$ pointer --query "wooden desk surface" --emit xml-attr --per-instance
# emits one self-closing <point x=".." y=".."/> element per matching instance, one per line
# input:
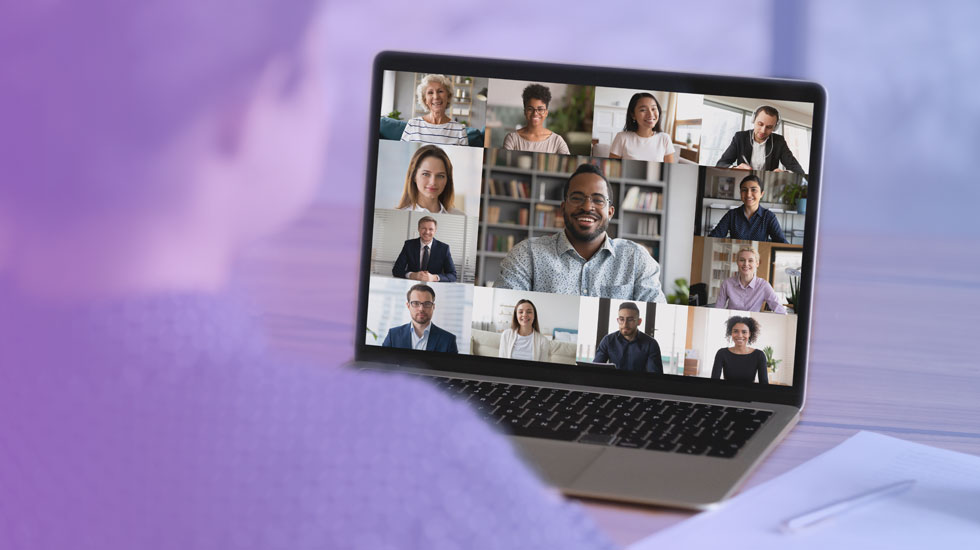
<point x="894" y="328"/>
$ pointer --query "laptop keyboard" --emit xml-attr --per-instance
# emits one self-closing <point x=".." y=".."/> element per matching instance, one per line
<point x="615" y="420"/>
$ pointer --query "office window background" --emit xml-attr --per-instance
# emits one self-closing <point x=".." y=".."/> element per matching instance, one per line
<point x="733" y="119"/>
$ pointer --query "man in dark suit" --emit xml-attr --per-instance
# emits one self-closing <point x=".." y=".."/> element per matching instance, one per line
<point x="759" y="149"/>
<point x="425" y="259"/>
<point x="421" y="333"/>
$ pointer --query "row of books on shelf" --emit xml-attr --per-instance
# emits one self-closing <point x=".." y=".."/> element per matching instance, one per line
<point x="643" y="200"/>
<point x="545" y="162"/>
<point x="546" y="215"/>
<point x="500" y="243"/>
<point x="493" y="216"/>
<point x="612" y="168"/>
<point x="514" y="188"/>
<point x="648" y="226"/>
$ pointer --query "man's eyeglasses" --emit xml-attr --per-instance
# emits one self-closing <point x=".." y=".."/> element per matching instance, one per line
<point x="426" y="305"/>
<point x="539" y="110"/>
<point x="627" y="319"/>
<point x="578" y="199"/>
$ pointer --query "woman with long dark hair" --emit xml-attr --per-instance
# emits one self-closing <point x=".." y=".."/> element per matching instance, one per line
<point x="642" y="138"/>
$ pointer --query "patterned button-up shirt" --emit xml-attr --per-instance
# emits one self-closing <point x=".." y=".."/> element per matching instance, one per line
<point x="621" y="269"/>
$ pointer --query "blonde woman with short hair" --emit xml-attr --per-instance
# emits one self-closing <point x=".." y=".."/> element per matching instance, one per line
<point x="435" y="94"/>
<point x="745" y="291"/>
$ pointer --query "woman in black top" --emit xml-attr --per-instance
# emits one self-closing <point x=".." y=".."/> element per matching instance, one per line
<point x="741" y="363"/>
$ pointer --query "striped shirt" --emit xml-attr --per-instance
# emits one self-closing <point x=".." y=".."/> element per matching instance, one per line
<point x="450" y="133"/>
<point x="762" y="227"/>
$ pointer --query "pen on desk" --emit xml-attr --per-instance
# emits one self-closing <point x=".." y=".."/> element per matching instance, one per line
<point x="836" y="508"/>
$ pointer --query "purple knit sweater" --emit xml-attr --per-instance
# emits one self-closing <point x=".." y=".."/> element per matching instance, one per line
<point x="165" y="423"/>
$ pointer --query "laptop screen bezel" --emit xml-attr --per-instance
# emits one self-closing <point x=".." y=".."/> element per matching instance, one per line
<point x="768" y="88"/>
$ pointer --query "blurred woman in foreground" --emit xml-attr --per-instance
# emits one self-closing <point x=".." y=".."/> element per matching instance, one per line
<point x="147" y="143"/>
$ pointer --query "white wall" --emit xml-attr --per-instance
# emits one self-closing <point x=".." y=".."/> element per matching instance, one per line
<point x="682" y="191"/>
<point x="588" y="312"/>
<point x="793" y="111"/>
<point x="671" y="334"/>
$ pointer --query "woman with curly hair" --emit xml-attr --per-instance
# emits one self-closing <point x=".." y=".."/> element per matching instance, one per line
<point x="534" y="136"/>
<point x="741" y="363"/>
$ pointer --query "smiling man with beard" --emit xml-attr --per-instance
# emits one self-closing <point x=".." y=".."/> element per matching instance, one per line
<point x="583" y="259"/>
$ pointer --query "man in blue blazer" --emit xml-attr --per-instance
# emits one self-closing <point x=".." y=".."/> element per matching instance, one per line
<point x="421" y="333"/>
<point x="425" y="259"/>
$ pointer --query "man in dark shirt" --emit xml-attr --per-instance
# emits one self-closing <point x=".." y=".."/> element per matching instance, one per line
<point x="751" y="221"/>
<point x="759" y="148"/>
<point x="629" y="348"/>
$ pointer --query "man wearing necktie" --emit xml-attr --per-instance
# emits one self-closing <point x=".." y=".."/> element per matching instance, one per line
<point x="425" y="259"/>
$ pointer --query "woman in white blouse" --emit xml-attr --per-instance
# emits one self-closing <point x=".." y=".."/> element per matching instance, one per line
<point x="523" y="340"/>
<point x="642" y="138"/>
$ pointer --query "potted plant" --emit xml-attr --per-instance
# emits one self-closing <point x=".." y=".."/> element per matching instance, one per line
<point x="794" y="286"/>
<point x="570" y="120"/>
<point x="771" y="363"/>
<point x="794" y="194"/>
<point x="682" y="294"/>
<point x="396" y="115"/>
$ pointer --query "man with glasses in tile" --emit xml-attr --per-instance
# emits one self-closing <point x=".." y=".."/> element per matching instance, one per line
<point x="583" y="259"/>
<point x="630" y="348"/>
<point x="421" y="333"/>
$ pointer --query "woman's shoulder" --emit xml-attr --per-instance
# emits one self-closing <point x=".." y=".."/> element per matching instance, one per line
<point x="761" y="281"/>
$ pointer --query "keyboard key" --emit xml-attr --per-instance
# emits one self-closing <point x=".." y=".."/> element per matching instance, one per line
<point x="606" y="419"/>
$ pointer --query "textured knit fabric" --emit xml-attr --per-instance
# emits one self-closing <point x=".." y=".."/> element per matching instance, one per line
<point x="740" y="368"/>
<point x="552" y="144"/>
<point x="620" y="269"/>
<point x="165" y="423"/>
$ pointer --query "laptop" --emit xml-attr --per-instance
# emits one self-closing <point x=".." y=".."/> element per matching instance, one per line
<point x="614" y="267"/>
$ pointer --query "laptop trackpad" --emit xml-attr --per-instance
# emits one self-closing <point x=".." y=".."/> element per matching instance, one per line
<point x="559" y="463"/>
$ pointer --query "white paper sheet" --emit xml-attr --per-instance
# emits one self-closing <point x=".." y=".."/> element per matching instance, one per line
<point x="941" y="511"/>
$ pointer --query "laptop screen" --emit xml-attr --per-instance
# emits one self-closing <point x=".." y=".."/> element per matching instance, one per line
<point x="650" y="232"/>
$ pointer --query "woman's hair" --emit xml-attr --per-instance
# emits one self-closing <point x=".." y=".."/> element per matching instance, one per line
<point x="91" y="91"/>
<point x="747" y="321"/>
<point x="429" y="79"/>
<point x="534" y="324"/>
<point x="748" y="249"/>
<point x="410" y="195"/>
<point x="536" y="91"/>
<point x="631" y="124"/>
